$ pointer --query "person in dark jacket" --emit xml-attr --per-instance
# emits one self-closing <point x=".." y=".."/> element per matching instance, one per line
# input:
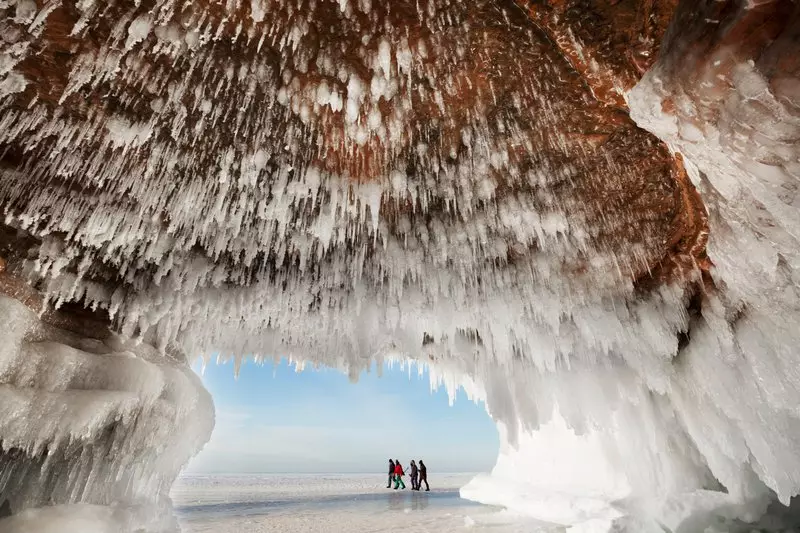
<point x="391" y="474"/>
<point x="423" y="476"/>
<point x="414" y="474"/>
<point x="398" y="475"/>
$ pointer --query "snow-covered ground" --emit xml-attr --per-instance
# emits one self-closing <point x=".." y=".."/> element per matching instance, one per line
<point x="339" y="502"/>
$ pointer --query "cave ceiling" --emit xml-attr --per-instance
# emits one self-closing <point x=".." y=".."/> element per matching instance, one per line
<point x="248" y="135"/>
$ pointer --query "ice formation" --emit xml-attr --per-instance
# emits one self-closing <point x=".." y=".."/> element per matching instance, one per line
<point x="457" y="183"/>
<point x="92" y="420"/>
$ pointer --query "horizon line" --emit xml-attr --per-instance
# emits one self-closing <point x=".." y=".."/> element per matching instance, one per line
<point x="319" y="473"/>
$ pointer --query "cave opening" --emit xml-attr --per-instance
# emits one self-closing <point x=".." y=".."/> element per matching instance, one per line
<point x="300" y="442"/>
<point x="300" y="418"/>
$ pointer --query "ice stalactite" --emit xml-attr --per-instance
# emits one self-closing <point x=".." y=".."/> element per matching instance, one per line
<point x="378" y="171"/>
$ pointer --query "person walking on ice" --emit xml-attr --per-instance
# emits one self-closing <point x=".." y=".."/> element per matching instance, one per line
<point x="414" y="474"/>
<point x="391" y="474"/>
<point x="423" y="476"/>
<point x="398" y="475"/>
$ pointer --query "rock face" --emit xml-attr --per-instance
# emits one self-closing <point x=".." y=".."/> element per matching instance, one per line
<point x="609" y="43"/>
<point x="455" y="182"/>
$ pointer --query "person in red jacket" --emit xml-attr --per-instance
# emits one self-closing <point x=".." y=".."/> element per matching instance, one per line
<point x="398" y="475"/>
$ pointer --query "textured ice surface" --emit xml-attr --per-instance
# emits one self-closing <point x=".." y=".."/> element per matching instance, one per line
<point x="308" y="503"/>
<point x="88" y="518"/>
<point x="193" y="491"/>
<point x="92" y="421"/>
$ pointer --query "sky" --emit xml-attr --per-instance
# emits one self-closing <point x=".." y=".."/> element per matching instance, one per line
<point x="272" y="419"/>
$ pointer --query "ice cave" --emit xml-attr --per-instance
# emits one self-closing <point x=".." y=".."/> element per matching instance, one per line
<point x="585" y="212"/>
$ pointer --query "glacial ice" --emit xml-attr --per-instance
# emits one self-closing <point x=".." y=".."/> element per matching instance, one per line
<point x="291" y="204"/>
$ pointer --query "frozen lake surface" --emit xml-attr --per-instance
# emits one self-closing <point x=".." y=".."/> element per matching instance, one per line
<point x="352" y="502"/>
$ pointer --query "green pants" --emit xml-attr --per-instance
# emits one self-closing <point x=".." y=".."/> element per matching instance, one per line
<point x="398" y="481"/>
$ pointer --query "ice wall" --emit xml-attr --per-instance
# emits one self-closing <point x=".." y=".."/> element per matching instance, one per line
<point x="554" y="475"/>
<point x="91" y="422"/>
<point x="729" y="106"/>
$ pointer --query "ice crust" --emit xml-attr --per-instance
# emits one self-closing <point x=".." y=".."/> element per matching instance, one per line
<point x="307" y="264"/>
<point x="91" y="422"/>
<point x="319" y="503"/>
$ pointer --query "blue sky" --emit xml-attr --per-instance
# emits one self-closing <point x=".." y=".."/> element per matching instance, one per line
<point x="273" y="419"/>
